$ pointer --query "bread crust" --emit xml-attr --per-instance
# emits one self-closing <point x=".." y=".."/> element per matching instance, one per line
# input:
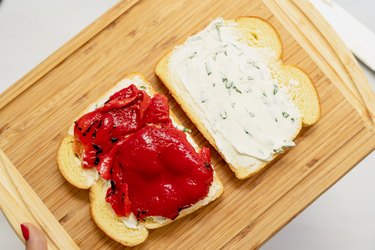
<point x="243" y="172"/>
<point x="69" y="163"/>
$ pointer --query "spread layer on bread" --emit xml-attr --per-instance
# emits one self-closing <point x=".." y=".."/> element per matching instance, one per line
<point x="229" y="87"/>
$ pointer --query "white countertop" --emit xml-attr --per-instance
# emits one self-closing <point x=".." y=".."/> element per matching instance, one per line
<point x="342" y="218"/>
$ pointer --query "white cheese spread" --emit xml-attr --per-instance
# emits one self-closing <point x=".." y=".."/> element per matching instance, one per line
<point x="229" y="86"/>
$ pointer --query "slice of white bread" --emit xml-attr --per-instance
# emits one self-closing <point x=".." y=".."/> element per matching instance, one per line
<point x="127" y="231"/>
<point x="257" y="33"/>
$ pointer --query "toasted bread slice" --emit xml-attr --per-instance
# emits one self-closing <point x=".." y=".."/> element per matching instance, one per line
<point x="125" y="230"/>
<point x="257" y="33"/>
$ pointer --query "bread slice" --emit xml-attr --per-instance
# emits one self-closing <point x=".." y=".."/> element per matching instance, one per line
<point x="125" y="230"/>
<point x="256" y="33"/>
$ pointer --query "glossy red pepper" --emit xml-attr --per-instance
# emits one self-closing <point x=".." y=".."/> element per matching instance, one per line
<point x="152" y="168"/>
<point x="121" y="115"/>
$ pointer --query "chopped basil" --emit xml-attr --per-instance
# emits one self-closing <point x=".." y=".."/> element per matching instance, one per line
<point x="187" y="130"/>
<point x="292" y="119"/>
<point x="225" y="53"/>
<point x="228" y="85"/>
<point x="192" y="56"/>
<point x="208" y="69"/>
<point x="276" y="120"/>
<point x="264" y="94"/>
<point x="247" y="132"/>
<point x="254" y="65"/>
<point x="276" y="88"/>
<point x="285" y="114"/>
<point x="214" y="57"/>
<point x="237" y="90"/>
<point x="143" y="87"/>
<point x="224" y="115"/>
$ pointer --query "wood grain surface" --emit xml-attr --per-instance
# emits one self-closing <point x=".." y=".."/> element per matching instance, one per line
<point x="132" y="37"/>
<point x="21" y="204"/>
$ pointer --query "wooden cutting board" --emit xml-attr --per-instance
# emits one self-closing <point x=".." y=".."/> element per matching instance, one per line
<point x="36" y="112"/>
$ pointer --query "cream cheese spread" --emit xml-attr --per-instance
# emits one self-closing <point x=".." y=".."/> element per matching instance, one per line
<point x="229" y="86"/>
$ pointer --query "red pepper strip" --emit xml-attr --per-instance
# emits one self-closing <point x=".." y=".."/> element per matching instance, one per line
<point x="118" y="103"/>
<point x="118" y="196"/>
<point x="206" y="155"/>
<point x="104" y="167"/>
<point x="87" y="120"/>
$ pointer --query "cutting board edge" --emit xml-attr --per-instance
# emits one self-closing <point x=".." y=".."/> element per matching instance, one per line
<point x="65" y="51"/>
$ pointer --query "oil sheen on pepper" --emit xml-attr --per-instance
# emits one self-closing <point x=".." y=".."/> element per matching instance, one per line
<point x="152" y="168"/>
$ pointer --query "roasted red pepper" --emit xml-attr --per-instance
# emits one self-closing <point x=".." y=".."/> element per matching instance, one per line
<point x="152" y="168"/>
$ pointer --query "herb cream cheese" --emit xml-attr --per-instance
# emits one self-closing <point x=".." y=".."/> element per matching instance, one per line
<point x="229" y="87"/>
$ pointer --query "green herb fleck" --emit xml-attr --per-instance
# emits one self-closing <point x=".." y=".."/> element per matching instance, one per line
<point x="276" y="120"/>
<point x="192" y="56"/>
<point x="276" y="88"/>
<point x="254" y="65"/>
<point x="292" y="119"/>
<point x="237" y="90"/>
<point x="224" y="115"/>
<point x="250" y="78"/>
<point x="187" y="130"/>
<point x="208" y="70"/>
<point x="225" y="53"/>
<point x="247" y="132"/>
<point x="214" y="57"/>
<point x="228" y="85"/>
<point x="143" y="87"/>
<point x="285" y="114"/>
<point x="251" y="114"/>
<point x="264" y="94"/>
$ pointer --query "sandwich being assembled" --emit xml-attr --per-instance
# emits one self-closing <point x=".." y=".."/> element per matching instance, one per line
<point x="143" y="170"/>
